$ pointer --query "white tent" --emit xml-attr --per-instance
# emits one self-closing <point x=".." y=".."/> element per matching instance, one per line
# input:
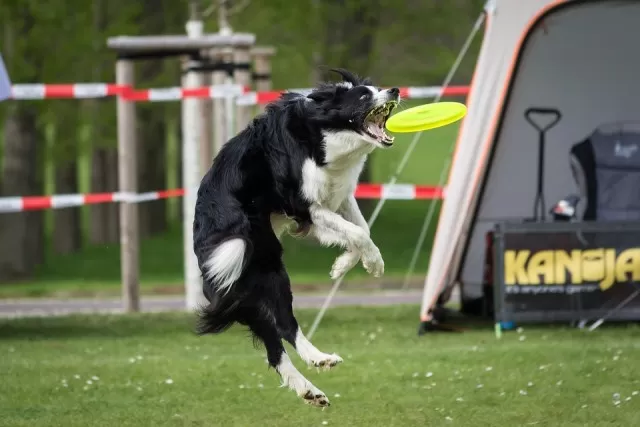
<point x="579" y="57"/>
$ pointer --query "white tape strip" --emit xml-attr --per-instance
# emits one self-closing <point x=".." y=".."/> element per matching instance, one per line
<point x="28" y="91"/>
<point x="399" y="191"/>
<point x="145" y="197"/>
<point x="66" y="200"/>
<point x="225" y="90"/>
<point x="89" y="90"/>
<point x="124" y="197"/>
<point x="165" y="94"/>
<point x="10" y="204"/>
<point x="250" y="98"/>
<point x="424" y="92"/>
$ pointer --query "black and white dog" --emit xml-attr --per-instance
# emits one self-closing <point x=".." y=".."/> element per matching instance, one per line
<point x="293" y="169"/>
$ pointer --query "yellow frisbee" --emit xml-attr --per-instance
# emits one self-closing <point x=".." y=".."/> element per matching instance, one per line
<point x="427" y="116"/>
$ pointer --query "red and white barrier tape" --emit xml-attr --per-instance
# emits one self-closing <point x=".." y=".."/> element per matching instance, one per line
<point x="242" y="94"/>
<point x="363" y="191"/>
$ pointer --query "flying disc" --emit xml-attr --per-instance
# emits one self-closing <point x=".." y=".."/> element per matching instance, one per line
<point x="427" y="116"/>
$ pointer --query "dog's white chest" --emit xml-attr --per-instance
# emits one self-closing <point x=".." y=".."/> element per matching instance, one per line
<point x="330" y="185"/>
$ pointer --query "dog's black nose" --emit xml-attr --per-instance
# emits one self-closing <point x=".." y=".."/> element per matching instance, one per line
<point x="394" y="91"/>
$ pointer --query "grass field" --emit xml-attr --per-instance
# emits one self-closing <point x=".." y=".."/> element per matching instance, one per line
<point x="150" y="370"/>
<point x="96" y="270"/>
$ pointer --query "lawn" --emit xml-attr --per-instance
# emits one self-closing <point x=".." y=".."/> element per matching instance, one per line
<point x="96" y="270"/>
<point x="150" y="370"/>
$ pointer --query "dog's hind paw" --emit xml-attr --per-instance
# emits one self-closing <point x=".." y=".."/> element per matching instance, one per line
<point x="326" y="361"/>
<point x="343" y="264"/>
<point x="315" y="397"/>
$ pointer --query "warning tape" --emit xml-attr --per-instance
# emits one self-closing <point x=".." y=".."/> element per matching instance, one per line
<point x="242" y="94"/>
<point x="58" y="201"/>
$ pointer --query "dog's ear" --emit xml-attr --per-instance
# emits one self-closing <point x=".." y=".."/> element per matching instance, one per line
<point x="347" y="76"/>
<point x="320" y="95"/>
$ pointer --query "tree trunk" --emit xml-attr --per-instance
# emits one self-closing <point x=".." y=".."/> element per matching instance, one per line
<point x="103" y="221"/>
<point x="98" y="213"/>
<point x="152" y="131"/>
<point x="66" y="228"/>
<point x="178" y="160"/>
<point x="350" y="34"/>
<point x="152" y="168"/>
<point x="21" y="233"/>
<point x="113" y="209"/>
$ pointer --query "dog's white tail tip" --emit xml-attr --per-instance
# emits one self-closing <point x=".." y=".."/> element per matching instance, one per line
<point x="225" y="263"/>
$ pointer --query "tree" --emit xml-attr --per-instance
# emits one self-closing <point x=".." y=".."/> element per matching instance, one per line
<point x="349" y="34"/>
<point x="21" y="233"/>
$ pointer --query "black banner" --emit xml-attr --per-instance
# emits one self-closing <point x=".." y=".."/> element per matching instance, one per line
<point x="570" y="271"/>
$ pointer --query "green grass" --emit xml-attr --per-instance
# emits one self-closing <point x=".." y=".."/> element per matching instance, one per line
<point x="96" y="270"/>
<point x="569" y="376"/>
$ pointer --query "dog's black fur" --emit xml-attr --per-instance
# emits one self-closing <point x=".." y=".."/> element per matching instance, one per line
<point x="256" y="174"/>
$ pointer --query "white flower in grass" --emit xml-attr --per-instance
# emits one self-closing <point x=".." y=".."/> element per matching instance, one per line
<point x="168" y="381"/>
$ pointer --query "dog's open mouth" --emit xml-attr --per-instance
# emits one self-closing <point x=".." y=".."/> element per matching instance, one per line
<point x="376" y="120"/>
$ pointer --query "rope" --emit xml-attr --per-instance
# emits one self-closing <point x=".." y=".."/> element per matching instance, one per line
<point x="443" y="173"/>
<point x="398" y="171"/>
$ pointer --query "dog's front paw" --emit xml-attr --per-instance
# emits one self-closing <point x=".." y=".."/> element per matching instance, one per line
<point x="315" y="397"/>
<point x="372" y="261"/>
<point x="344" y="263"/>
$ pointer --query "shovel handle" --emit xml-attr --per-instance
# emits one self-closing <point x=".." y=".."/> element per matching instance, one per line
<point x="543" y="111"/>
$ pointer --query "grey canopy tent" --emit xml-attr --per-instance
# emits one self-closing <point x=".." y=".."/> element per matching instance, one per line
<point x="577" y="57"/>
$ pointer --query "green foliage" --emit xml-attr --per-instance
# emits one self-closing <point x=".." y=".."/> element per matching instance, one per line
<point x="399" y="42"/>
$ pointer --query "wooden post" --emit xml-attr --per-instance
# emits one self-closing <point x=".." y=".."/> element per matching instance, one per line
<point x="163" y="46"/>
<point x="206" y="136"/>
<point x="242" y="76"/>
<point x="128" y="184"/>
<point x="222" y="130"/>
<point x="262" y="69"/>
<point x="192" y="142"/>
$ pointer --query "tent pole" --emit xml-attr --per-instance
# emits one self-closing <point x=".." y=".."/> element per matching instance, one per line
<point x="443" y="173"/>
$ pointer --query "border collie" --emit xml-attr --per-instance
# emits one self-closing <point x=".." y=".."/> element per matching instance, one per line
<point x="293" y="169"/>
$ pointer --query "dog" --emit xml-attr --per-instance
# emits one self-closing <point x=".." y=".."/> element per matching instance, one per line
<point x="293" y="169"/>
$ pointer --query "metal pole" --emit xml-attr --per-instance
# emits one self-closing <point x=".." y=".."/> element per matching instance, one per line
<point x="221" y="129"/>
<point x="242" y="76"/>
<point x="206" y="138"/>
<point x="262" y="68"/>
<point x="128" y="184"/>
<point x="191" y="137"/>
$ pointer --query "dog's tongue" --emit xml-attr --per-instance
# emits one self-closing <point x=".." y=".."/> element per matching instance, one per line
<point x="377" y="131"/>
